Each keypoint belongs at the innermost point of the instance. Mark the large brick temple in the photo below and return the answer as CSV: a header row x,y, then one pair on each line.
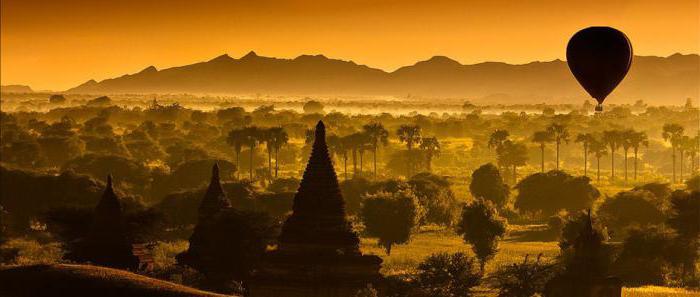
x,y
318,254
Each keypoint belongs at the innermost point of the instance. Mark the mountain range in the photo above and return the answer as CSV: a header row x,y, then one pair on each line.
x,y
663,80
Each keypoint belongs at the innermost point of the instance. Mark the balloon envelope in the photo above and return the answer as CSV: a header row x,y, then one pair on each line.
x,y
599,58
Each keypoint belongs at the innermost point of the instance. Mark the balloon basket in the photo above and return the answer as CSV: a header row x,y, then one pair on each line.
x,y
599,108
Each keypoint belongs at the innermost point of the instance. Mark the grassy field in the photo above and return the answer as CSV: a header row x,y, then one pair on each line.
x,y
86,280
404,258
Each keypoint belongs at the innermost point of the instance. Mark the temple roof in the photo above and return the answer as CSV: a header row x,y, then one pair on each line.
x,y
215,198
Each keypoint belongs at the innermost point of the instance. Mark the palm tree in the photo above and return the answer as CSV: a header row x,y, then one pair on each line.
x,y
692,149
377,135
585,139
559,133
497,138
356,143
512,155
411,135
683,146
673,134
542,138
277,138
636,140
431,147
626,145
235,138
264,137
612,139
598,149
337,145
251,138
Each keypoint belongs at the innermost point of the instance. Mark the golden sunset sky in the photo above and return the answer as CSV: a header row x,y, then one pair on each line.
x,y
60,44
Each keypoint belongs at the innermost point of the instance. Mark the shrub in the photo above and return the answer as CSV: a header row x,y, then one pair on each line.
x,y
521,279
448,275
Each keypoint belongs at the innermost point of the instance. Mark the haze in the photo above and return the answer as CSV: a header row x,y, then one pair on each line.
x,y
59,44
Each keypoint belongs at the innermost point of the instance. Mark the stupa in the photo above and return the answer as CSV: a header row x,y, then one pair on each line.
x,y
108,243
215,199
318,253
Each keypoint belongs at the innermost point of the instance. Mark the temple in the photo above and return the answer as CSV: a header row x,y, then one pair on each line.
x,y
108,243
318,254
215,199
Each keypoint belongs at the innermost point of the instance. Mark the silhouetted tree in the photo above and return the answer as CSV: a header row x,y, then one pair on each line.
x,y
560,133
377,136
598,149
236,139
613,139
673,133
481,227
585,139
278,137
411,135
391,217
542,138
251,138
627,209
637,139
313,106
524,279
436,198
553,191
511,155
431,148
487,184
448,275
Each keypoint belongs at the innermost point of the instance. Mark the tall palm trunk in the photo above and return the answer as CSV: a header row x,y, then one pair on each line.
x,y
558,154
277,161
681,164
542,155
238,164
626,165
269,160
598,170
514,174
354,163
635,163
585,159
252,147
375,162
345,164
673,152
612,165
362,154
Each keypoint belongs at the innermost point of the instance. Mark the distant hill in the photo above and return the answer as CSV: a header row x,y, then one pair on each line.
x,y
86,280
653,79
20,89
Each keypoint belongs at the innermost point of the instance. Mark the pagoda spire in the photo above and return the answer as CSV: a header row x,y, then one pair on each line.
x,y
215,198
319,209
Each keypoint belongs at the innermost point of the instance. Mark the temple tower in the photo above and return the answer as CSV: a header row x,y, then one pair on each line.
x,y
318,253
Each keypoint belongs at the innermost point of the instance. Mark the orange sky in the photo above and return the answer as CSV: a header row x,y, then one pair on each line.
x,y
60,44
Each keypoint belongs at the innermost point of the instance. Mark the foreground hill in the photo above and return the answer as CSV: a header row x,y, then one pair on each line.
x,y
85,280
653,79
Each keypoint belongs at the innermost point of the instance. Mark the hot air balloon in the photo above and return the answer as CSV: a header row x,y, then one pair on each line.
x,y
599,58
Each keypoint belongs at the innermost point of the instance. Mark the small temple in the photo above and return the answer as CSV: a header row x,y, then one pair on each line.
x,y
215,198
108,243
318,253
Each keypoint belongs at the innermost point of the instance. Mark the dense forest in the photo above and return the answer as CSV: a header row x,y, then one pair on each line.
x,y
456,198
